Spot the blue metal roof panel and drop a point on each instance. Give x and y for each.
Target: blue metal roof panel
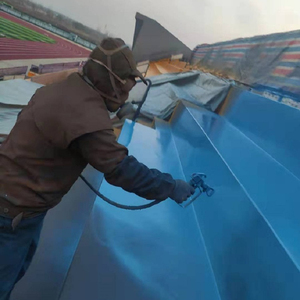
(272, 125)
(246, 255)
(153, 254)
(258, 173)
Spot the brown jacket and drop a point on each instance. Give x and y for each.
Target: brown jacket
(40, 161)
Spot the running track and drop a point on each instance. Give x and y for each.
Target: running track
(11, 49)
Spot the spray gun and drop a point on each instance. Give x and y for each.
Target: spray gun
(197, 181)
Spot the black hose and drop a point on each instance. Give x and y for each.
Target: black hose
(127, 207)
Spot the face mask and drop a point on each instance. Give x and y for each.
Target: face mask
(122, 89)
(121, 92)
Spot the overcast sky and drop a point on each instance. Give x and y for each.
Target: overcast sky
(192, 21)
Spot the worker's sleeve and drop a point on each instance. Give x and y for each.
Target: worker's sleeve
(101, 150)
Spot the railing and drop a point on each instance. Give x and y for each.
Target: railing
(13, 71)
(68, 35)
(51, 68)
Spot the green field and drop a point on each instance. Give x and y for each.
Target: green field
(13, 30)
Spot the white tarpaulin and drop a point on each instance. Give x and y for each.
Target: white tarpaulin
(202, 89)
(14, 94)
(196, 87)
(17, 92)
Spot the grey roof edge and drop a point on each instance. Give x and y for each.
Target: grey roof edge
(143, 18)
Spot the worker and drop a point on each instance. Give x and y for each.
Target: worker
(64, 127)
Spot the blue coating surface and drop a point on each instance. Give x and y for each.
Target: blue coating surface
(248, 260)
(272, 188)
(153, 254)
(273, 126)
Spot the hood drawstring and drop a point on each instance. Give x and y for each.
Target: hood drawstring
(112, 75)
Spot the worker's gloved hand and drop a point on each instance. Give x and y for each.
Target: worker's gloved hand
(182, 191)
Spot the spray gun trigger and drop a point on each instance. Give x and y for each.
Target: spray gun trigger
(188, 202)
(197, 181)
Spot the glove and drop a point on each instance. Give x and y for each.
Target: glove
(182, 191)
